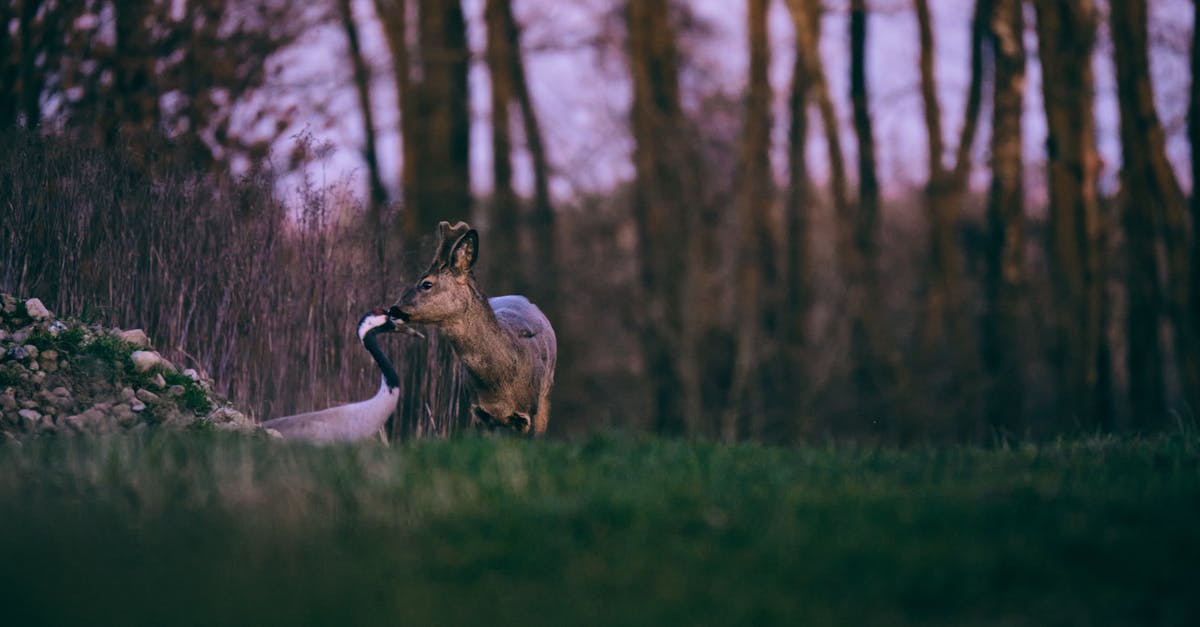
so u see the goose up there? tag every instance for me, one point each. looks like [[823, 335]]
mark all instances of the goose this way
[[355, 421]]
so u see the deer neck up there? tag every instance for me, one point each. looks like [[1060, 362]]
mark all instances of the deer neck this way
[[487, 351]]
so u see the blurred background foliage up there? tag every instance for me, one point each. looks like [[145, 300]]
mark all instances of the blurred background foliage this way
[[752, 278]]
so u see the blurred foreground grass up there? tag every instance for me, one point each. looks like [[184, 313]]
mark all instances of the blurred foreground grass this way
[[201, 529]]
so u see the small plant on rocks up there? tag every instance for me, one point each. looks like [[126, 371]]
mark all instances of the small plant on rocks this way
[[67, 377]]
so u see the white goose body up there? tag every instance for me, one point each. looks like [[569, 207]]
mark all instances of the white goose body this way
[[355, 421]]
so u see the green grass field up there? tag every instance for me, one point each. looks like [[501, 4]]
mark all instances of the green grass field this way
[[202, 529]]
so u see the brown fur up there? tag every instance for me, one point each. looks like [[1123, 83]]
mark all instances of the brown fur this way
[[506, 343]]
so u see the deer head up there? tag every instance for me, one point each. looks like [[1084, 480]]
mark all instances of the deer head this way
[[447, 288]]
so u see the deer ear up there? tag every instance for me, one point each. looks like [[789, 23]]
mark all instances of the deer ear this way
[[464, 252], [452, 233], [448, 237]]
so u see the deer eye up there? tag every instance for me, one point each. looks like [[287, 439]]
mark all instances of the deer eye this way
[[425, 286]]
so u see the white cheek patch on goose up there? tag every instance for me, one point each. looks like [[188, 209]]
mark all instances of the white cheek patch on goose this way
[[370, 322]]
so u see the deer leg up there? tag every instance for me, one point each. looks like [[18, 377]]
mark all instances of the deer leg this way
[[519, 422], [481, 420]]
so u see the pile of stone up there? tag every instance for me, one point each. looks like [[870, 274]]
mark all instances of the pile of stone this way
[[65, 378]]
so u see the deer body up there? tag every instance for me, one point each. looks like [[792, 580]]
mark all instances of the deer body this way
[[506, 343]]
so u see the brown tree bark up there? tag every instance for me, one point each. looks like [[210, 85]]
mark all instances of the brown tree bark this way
[[9, 93], [1004, 285], [134, 100], [1153, 212], [797, 248], [431, 78], [543, 267], [659, 208], [1066, 35], [377, 198], [394, 16], [945, 321], [806, 28], [756, 262], [874, 374], [30, 92], [504, 236], [1194, 140], [443, 171]]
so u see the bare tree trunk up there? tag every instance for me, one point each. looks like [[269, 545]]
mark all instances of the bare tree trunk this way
[[806, 43], [1066, 35], [1194, 140], [362, 84], [945, 317], [431, 80], [756, 261], [1002, 339], [797, 255], [874, 374], [505, 224], [30, 92], [134, 106], [444, 182], [539, 268], [1154, 211], [663, 236], [394, 15], [8, 70], [543, 265]]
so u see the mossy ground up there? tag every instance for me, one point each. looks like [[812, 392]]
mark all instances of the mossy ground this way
[[194, 528]]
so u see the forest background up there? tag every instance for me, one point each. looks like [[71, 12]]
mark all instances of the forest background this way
[[879, 221]]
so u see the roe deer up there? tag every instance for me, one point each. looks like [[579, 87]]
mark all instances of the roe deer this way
[[506, 343]]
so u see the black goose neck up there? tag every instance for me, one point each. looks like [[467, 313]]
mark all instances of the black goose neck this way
[[385, 365]]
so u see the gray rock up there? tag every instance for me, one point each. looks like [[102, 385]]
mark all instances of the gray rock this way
[[17, 353], [137, 337], [30, 416], [4, 334], [145, 360], [158, 381], [138, 407], [60, 391], [36, 309], [31, 350], [147, 396], [75, 422], [29, 404], [20, 335], [56, 327], [222, 416], [175, 390], [126, 414], [128, 393], [192, 374], [8, 400], [10, 304]]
